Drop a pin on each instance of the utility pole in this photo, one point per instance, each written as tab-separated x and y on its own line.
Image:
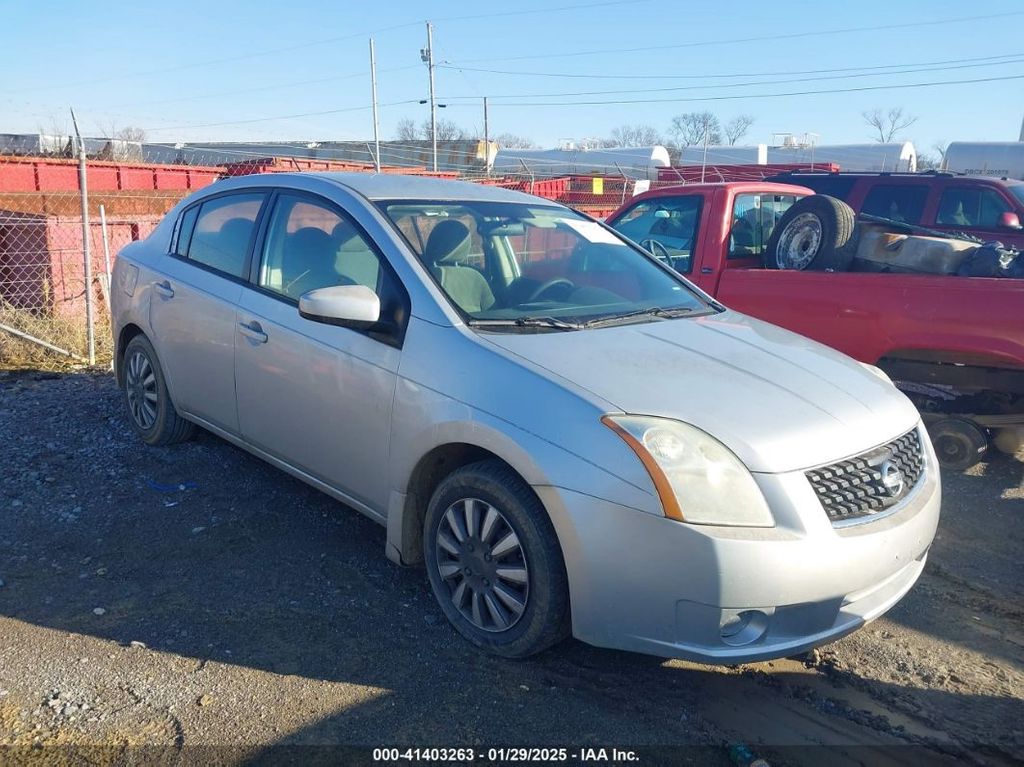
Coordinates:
376	122
487	142
427	55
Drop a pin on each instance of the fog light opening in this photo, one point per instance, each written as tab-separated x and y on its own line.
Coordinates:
744	628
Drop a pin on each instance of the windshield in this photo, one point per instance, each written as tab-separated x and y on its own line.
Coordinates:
520	265
1017	190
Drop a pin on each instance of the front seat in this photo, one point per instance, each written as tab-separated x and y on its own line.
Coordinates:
951	212
309	257
447	246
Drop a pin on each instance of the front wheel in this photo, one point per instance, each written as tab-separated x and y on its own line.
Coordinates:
494	562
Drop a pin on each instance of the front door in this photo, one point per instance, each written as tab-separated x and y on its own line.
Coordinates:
317	396
195	297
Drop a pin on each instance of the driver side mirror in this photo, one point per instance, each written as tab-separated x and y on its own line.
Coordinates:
1009	220
350	306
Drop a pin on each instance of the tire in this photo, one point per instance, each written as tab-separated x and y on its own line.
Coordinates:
150	410
958	442
817	232
525	583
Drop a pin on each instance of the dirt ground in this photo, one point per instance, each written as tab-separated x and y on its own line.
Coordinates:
194	596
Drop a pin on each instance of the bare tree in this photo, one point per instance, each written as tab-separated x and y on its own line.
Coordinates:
512	141
446	130
888	123
690	128
633	135
406	130
737	128
928	162
940	147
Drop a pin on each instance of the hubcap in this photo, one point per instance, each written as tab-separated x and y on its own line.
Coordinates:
799	242
140	388
482	564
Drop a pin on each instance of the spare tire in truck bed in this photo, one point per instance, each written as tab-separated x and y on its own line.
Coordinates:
817	232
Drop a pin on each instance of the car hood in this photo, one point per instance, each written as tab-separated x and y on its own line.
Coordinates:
780	401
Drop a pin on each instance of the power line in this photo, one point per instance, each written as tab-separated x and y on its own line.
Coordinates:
261	88
746	84
720	75
321	41
278	117
789	36
757	95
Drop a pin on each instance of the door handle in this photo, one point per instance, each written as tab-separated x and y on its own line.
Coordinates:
254	331
707	270
164	289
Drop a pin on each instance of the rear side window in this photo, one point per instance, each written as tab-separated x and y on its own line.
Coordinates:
971	206
754	217
222	232
903	202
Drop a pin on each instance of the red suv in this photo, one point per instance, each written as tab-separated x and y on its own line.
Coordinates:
988	208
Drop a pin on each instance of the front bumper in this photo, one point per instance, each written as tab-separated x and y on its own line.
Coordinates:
648	584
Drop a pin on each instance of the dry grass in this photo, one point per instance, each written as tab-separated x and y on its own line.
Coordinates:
68	333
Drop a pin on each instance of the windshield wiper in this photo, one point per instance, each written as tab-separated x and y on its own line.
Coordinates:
655	311
527	322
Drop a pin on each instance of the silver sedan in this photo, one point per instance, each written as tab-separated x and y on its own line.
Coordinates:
570	436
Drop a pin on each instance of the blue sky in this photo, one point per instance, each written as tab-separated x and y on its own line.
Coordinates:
229	66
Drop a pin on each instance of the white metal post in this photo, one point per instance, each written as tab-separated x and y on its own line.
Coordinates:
487	141
376	121
86	249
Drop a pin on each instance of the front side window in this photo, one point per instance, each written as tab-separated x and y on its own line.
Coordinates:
754	217
310	245
665	226
223	230
903	203
967	206
532	265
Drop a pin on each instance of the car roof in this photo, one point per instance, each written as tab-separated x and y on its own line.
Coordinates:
897	177
394	186
737	186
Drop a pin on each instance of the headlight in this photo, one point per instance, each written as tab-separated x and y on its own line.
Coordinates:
698	479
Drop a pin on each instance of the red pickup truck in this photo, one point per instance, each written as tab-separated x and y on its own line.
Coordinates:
954	344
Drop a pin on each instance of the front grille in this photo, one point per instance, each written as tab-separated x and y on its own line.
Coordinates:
872	481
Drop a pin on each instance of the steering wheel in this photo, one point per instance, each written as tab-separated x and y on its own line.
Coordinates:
656	249
545	287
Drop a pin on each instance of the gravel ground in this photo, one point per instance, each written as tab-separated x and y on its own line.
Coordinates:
194	596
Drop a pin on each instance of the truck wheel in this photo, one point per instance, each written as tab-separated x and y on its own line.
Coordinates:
494	562
818	232
958	442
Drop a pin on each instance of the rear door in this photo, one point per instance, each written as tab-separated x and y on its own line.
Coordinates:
318	396
195	297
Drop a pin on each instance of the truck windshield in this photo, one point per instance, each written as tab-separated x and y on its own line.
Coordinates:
519	265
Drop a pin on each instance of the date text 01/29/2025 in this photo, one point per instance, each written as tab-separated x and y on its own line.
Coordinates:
503	754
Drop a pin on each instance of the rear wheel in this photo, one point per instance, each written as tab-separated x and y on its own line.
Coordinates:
494	562
817	232
150	410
